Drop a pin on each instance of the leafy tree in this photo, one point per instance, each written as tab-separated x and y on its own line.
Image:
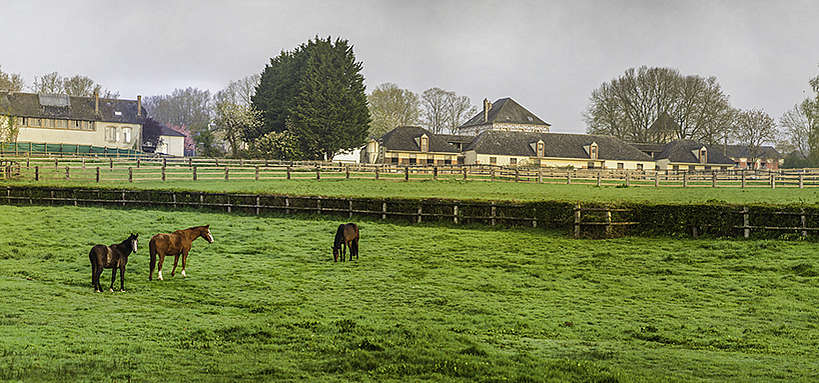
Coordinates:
276	146
391	106
11	82
317	94
207	144
754	128
627	106
231	119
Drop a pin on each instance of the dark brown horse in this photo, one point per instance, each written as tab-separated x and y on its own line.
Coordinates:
176	244
346	236
111	257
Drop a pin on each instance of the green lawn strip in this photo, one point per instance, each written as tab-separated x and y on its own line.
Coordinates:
266	302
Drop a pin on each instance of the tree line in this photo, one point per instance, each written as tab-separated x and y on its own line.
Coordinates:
54	83
658	105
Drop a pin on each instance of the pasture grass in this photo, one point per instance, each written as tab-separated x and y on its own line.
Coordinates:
467	190
265	302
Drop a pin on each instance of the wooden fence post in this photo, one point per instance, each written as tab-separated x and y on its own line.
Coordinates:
419	213
569	177
67	175
130	174
577	220
349	208
257	205
190	163
288	172
801	180
540	176
56	165
599	176
257	173
164	162
406	173
455	214
138	162
173	196
492	172
384	209
36	172
163	173
194	172
746	221
83	163
803	221
517	175
318	172
628	178
227	173
492	216
685	179
98	174
743	178
714	179
111	163
773	181
287	205
465	170
608	222
435	173
656	179
347	170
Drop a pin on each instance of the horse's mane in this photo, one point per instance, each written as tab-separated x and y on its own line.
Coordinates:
339	236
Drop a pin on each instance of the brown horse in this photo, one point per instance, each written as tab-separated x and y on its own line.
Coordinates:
346	236
111	257
176	244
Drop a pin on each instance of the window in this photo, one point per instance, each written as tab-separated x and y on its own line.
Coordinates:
513	161
34	122
692	167
448	162
62	124
111	134
590	165
676	167
430	161
493	160
126	135
620	165
412	161
394	160
707	167
22	121
593	151
703	156
540	149
424	143
49	123
639	166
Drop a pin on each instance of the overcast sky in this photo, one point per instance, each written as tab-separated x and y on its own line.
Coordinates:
548	56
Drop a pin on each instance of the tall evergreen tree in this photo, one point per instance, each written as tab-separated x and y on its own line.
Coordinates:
317	94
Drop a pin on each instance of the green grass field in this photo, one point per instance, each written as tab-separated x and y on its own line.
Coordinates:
470	190
266	302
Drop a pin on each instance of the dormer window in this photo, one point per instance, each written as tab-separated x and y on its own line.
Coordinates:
540	148
424	144
703	157
593	151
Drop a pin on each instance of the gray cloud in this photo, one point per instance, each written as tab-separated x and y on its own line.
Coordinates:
547	55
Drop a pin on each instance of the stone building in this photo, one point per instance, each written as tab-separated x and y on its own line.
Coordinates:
505	115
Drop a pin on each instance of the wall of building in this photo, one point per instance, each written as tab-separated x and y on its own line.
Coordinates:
172	145
420	158
666	165
95	137
504	160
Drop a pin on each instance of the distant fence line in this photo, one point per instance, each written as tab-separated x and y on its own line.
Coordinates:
587	220
209	169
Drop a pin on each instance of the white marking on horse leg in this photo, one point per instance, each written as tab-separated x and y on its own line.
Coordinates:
160	275
183	273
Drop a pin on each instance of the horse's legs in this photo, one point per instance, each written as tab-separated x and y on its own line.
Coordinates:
175	261
159	266
184	262
95	278
122	278
343	250
113	278
93	273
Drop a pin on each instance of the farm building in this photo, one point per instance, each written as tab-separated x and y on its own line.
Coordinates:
506	115
171	142
767	157
692	155
62	119
411	145
517	148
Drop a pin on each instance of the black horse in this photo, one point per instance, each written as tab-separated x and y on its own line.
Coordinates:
112	257
346	236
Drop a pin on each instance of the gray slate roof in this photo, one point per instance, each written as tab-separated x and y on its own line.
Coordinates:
166	131
404	138
557	145
683	151
461	139
737	151
508	111
79	108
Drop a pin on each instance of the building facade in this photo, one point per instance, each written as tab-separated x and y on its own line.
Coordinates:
63	119
766	158
411	145
692	155
504	115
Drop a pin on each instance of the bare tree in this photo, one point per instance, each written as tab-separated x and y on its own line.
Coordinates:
11	82
434	111
627	106
183	107
798	123
754	128
458	110
390	107
49	83
239	92
80	86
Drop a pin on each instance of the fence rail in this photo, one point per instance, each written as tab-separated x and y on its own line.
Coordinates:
210	169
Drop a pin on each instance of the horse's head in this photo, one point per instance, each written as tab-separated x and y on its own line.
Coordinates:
206	235
335	254
134	238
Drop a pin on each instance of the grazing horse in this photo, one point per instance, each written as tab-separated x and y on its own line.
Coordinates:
176	244
111	257
346	236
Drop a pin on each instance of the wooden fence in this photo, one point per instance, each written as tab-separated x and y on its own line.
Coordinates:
212	169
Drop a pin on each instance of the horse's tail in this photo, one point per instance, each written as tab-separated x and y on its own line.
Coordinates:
355	242
152	251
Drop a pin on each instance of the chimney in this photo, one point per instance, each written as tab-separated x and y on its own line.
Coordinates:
96	102
139	106
486	106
